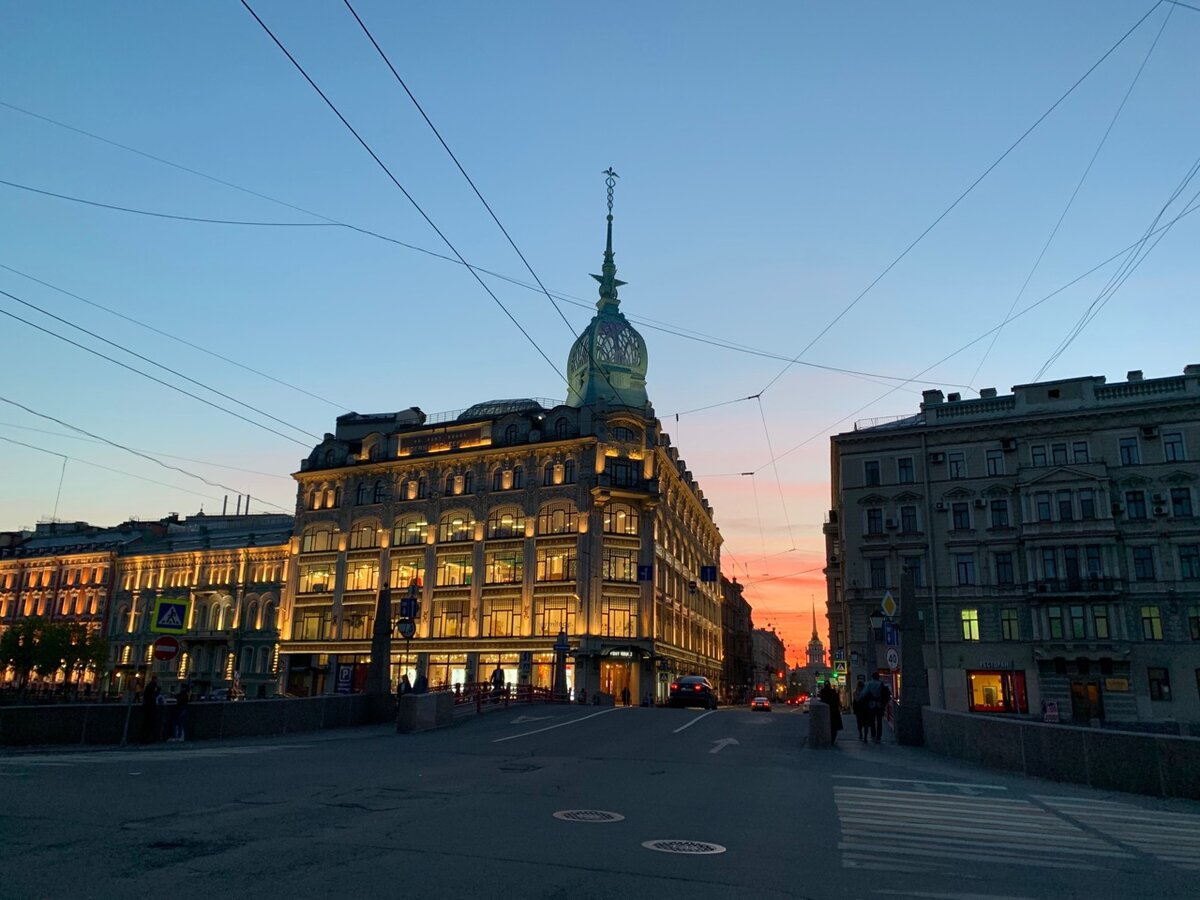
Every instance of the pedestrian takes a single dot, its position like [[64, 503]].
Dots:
[[150, 711], [862, 715], [625, 695], [878, 696], [830, 698], [421, 685], [405, 685], [179, 725], [497, 680]]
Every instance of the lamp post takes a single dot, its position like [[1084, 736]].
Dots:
[[876, 620]]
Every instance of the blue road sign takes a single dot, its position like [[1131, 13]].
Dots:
[[708, 573], [170, 616], [891, 634], [409, 607], [645, 573]]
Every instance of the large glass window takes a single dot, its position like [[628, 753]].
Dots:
[[556, 563], [623, 472], [403, 570], [364, 536], [362, 574], [970, 624], [1010, 625], [1143, 563], [448, 618], [315, 578], [318, 539], [620, 564], [618, 617], [501, 617], [557, 519], [1181, 501], [1004, 568], [1130, 454], [504, 567], [620, 518], [409, 532], [1189, 562], [454, 570], [965, 568], [456, 526], [1152, 623], [554, 614], [960, 516], [1173, 447], [507, 522]]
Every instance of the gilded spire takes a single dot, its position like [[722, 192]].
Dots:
[[608, 280], [814, 614]]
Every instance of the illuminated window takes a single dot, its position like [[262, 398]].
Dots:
[[504, 567], [364, 536], [409, 532], [1151, 623], [448, 618], [454, 570], [618, 617], [456, 527], [501, 617], [315, 578], [362, 575], [970, 624], [620, 518], [506, 522], [557, 519], [1100, 621], [620, 564], [554, 614], [556, 563]]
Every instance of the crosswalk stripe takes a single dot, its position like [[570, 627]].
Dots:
[[958, 854]]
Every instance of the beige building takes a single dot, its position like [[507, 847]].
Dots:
[[513, 521], [1053, 538]]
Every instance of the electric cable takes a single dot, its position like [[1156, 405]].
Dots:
[[159, 365], [402, 189], [961, 196], [146, 456]]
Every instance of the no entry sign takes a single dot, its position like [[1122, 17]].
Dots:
[[166, 647]]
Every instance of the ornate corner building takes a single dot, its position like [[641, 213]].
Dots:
[[1053, 539], [513, 521]]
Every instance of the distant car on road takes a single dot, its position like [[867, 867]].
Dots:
[[804, 705], [692, 690], [760, 703]]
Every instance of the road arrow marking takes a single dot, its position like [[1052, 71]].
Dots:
[[522, 719], [722, 744]]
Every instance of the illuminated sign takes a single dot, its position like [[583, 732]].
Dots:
[[444, 439]]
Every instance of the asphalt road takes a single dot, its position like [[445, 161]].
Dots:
[[517, 804]]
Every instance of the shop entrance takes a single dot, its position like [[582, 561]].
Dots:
[[1085, 702], [615, 677]]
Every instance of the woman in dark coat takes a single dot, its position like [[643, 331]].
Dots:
[[829, 696], [862, 712]]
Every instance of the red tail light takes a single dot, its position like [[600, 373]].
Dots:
[[674, 685], [698, 687]]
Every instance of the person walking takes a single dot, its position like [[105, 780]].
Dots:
[[497, 680], [405, 686], [830, 698], [179, 724], [150, 710], [878, 696], [625, 695], [862, 715]]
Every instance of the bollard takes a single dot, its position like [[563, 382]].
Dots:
[[818, 725]]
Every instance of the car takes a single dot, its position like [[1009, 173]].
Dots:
[[804, 705], [692, 690], [760, 703]]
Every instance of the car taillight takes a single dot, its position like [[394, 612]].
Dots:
[[698, 687], [674, 685]]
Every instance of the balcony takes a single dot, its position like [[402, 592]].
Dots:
[[1080, 585]]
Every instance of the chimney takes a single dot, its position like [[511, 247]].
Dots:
[[987, 393], [1133, 375], [1193, 369], [247, 504], [955, 397], [931, 398], [225, 505], [239, 506]]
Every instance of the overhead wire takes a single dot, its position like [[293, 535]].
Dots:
[[138, 453], [159, 365], [138, 371], [846, 309], [401, 187], [1078, 186]]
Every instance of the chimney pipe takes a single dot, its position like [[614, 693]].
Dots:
[[225, 505], [239, 505], [247, 504]]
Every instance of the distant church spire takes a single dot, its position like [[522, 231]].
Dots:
[[608, 280], [814, 615]]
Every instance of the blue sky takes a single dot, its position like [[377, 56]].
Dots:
[[774, 159]]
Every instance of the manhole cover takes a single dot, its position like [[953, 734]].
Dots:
[[588, 815], [692, 848]]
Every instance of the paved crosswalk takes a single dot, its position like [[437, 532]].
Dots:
[[916, 826], [1172, 837]]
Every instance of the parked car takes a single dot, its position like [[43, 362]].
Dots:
[[692, 690], [760, 703]]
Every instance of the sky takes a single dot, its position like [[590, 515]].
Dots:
[[865, 188]]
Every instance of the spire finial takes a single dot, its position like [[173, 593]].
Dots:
[[608, 280]]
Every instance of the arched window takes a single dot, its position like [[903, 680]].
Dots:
[[360, 494], [262, 666], [364, 536], [318, 538], [413, 488], [506, 522], [329, 457], [620, 518], [268, 616], [498, 479], [250, 622], [562, 428], [456, 526], [569, 472], [380, 492], [518, 478], [409, 532], [512, 434], [557, 518], [623, 433], [548, 474]]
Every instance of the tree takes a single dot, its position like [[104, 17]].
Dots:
[[18, 647], [86, 650]]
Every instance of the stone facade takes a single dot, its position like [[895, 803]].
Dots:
[[1054, 540]]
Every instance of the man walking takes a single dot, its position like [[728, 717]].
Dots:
[[878, 696], [179, 726], [150, 711]]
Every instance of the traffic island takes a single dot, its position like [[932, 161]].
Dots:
[[424, 712], [819, 732]]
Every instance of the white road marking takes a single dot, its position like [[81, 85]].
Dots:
[[986, 787], [693, 722], [722, 744], [513, 737], [521, 720], [1171, 837]]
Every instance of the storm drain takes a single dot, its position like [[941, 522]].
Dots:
[[588, 815], [691, 848]]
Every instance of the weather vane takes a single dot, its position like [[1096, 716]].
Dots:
[[611, 181]]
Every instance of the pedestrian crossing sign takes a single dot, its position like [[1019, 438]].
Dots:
[[170, 616]]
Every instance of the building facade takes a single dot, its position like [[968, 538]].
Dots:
[[1053, 539], [737, 626], [514, 522], [769, 667]]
